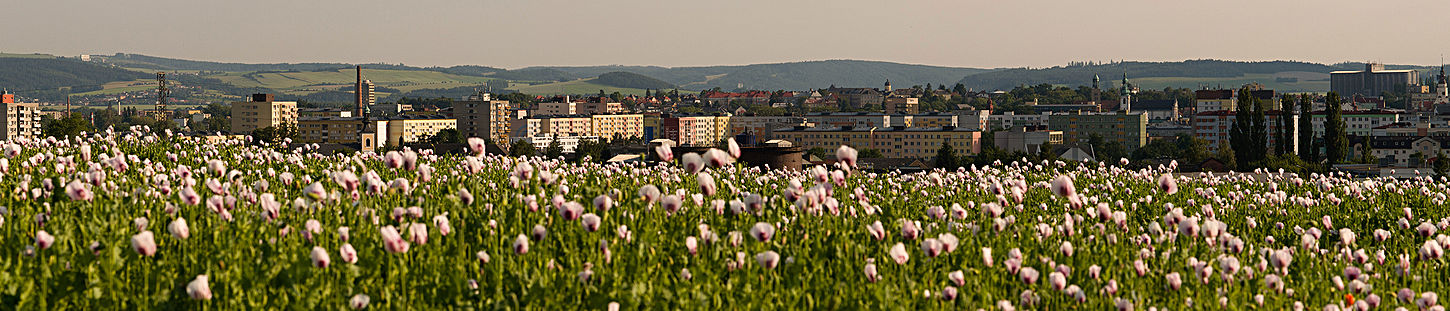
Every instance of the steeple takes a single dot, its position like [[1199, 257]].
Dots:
[[888, 86]]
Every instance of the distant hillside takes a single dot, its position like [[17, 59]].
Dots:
[[163, 63], [632, 80], [1202, 71], [31, 75], [787, 76], [535, 74]]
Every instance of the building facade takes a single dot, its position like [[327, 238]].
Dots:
[[1213, 128], [409, 129], [329, 130], [22, 120], [481, 116], [1373, 81], [262, 111], [1026, 140], [611, 126], [892, 142], [1129, 129], [902, 105]]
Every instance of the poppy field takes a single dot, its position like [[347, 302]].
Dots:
[[140, 220]]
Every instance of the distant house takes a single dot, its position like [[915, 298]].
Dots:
[[1158, 110]]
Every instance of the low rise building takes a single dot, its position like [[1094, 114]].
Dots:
[[1024, 139], [852, 119], [902, 105], [566, 143], [1009, 120], [892, 142], [324, 113]]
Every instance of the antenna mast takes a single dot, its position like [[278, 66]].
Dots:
[[163, 94]]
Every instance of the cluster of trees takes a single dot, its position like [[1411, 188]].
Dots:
[[275, 134], [1249, 149]]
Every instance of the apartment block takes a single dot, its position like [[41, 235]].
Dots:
[[409, 129], [329, 130], [22, 120], [1213, 127], [481, 116], [611, 126], [260, 112], [1129, 129]]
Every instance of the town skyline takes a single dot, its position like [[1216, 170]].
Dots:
[[513, 35]]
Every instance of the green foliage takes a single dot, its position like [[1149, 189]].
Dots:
[[817, 152], [1283, 136], [1442, 165], [596, 150], [1308, 150], [1336, 143], [522, 148], [273, 135], [73, 125], [554, 150], [946, 157], [53, 78], [870, 153], [535, 74], [445, 136]]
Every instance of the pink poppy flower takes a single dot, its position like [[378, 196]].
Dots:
[[79, 191], [1029, 275], [957, 277], [476, 145], [769, 259], [665, 154], [707, 183], [319, 256], [179, 229], [1167, 184], [672, 203], [876, 230], [43, 239], [359, 301], [847, 156], [762, 231], [732, 148], [692, 162], [348, 253], [198, 288], [393, 242], [898, 254], [144, 243], [692, 245], [931, 247], [590, 222], [418, 233], [1174, 280], [465, 197], [521, 245], [871, 274], [603, 203]]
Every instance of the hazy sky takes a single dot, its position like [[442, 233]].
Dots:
[[519, 33]]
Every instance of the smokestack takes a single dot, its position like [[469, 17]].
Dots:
[[358, 91]]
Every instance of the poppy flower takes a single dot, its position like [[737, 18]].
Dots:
[[144, 243], [198, 288], [319, 256], [348, 253], [179, 229]]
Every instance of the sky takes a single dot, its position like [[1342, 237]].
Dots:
[[520, 33]]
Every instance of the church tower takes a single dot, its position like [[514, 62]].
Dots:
[[1126, 95]]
